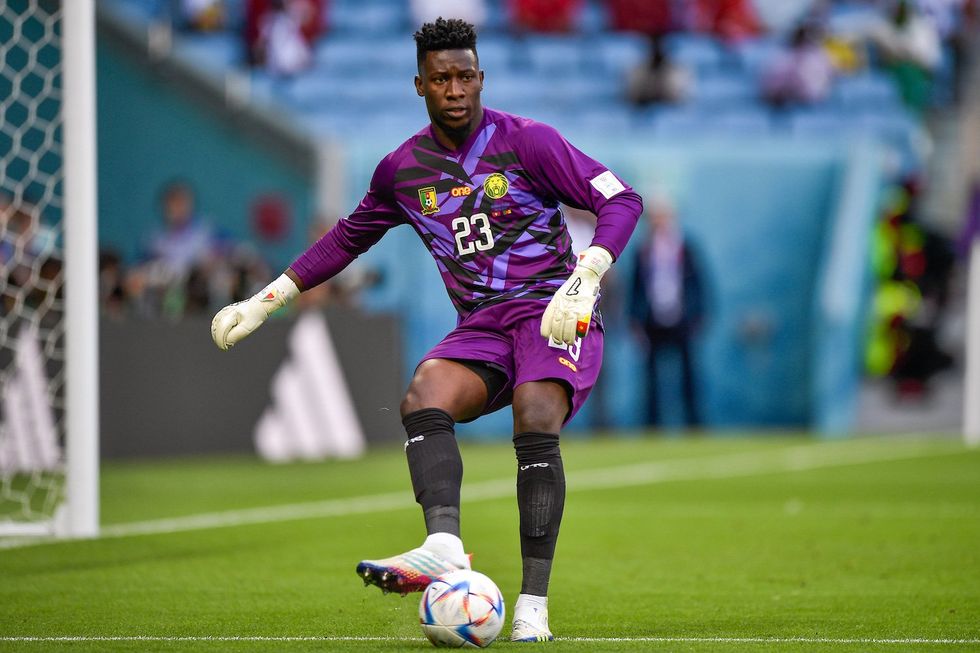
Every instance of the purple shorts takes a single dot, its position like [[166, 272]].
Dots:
[[507, 337]]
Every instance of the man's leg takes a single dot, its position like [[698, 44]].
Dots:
[[652, 388], [441, 393], [691, 413], [540, 408]]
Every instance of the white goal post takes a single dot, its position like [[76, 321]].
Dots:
[[971, 394], [49, 346], [81, 270]]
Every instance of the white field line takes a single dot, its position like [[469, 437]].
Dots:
[[753, 463], [328, 638]]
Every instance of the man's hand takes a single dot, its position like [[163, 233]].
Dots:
[[234, 322], [570, 310]]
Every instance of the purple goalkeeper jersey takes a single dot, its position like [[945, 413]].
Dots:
[[487, 211]]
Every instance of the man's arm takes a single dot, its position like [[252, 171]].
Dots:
[[567, 174], [572, 177], [348, 239]]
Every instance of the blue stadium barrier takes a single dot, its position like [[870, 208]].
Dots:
[[698, 52], [753, 54], [217, 53], [866, 90], [358, 18], [555, 55], [618, 53], [726, 90]]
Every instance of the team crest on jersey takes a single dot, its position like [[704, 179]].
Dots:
[[429, 200], [496, 186]]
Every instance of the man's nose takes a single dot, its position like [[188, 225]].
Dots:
[[455, 88]]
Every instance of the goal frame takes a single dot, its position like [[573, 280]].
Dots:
[[80, 516]]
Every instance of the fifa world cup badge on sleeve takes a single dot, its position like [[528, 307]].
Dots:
[[607, 184]]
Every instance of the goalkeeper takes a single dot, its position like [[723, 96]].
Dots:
[[482, 189]]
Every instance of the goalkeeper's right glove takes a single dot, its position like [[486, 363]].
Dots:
[[569, 312], [234, 322]]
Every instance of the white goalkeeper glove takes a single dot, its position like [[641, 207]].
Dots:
[[234, 322], [570, 310]]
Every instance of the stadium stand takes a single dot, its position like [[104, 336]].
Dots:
[[576, 77]]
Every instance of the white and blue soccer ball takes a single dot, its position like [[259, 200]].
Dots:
[[463, 608]]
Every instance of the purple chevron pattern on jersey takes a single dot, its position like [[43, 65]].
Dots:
[[488, 212]]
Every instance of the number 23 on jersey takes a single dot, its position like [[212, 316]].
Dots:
[[472, 234]]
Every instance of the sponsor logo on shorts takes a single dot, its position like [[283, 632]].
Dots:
[[526, 467], [429, 200], [496, 186], [461, 191], [567, 363], [574, 350]]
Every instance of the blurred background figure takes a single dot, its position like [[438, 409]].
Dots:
[[659, 80], [112, 290], [29, 260], [544, 15], [279, 34], [667, 306], [913, 263], [201, 15], [650, 17], [802, 73], [731, 21], [179, 250], [908, 43]]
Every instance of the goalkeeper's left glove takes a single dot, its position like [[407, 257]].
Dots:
[[234, 322], [570, 310]]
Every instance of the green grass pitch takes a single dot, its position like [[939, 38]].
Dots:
[[708, 544]]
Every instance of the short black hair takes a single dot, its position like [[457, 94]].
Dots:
[[444, 34]]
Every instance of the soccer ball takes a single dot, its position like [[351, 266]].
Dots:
[[463, 608]]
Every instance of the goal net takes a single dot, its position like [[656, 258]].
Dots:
[[45, 128]]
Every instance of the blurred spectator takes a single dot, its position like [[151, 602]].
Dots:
[[279, 34], [112, 294], [544, 15], [913, 265], [667, 304], [651, 17], [729, 20], [472, 11], [970, 231], [201, 15], [909, 45], [907, 36], [659, 79], [802, 73], [185, 241], [29, 258]]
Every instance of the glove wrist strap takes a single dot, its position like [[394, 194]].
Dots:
[[596, 259], [277, 294]]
